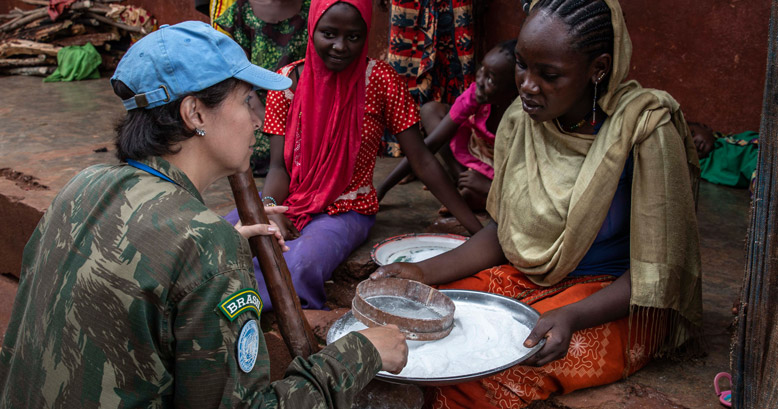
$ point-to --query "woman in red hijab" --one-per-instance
(327, 132)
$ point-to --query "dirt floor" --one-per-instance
(51, 131)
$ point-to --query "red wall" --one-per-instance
(709, 54)
(166, 11)
(170, 11)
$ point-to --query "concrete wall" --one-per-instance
(709, 54)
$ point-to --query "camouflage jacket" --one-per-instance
(120, 304)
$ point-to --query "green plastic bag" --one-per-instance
(75, 63)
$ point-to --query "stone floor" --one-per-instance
(51, 131)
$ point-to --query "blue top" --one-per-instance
(609, 254)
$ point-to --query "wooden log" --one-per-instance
(23, 62)
(34, 71)
(97, 39)
(43, 34)
(39, 14)
(17, 12)
(77, 29)
(111, 22)
(26, 47)
(75, 6)
(294, 327)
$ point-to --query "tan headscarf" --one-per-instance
(552, 190)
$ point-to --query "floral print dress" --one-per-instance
(268, 45)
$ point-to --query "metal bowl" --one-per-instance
(521, 312)
(414, 247)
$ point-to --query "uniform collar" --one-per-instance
(177, 175)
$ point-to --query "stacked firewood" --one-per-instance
(30, 40)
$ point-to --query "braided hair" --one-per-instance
(589, 23)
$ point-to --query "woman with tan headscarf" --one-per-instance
(593, 210)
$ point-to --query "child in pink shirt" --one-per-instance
(469, 127)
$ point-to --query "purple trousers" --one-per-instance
(324, 243)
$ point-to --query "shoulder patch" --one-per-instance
(241, 301)
(248, 346)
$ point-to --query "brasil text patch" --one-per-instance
(241, 301)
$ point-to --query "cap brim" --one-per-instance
(262, 78)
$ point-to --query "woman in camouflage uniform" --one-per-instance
(132, 292)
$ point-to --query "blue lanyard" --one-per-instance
(149, 169)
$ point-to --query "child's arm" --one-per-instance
(431, 172)
(434, 141)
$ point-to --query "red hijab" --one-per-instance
(324, 130)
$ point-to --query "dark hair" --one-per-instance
(154, 132)
(589, 23)
(508, 47)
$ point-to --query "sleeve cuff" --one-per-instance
(362, 358)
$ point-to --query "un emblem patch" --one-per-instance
(248, 346)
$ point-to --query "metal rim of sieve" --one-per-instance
(417, 329)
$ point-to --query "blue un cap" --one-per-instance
(187, 57)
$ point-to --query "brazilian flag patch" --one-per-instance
(243, 300)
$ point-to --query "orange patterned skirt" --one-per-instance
(597, 356)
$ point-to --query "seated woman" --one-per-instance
(273, 33)
(326, 131)
(597, 224)
(469, 127)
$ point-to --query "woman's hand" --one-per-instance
(556, 326)
(391, 345)
(264, 229)
(285, 226)
(410, 271)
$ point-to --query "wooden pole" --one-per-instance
(37, 14)
(294, 328)
(755, 352)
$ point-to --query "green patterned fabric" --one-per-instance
(118, 306)
(269, 45)
(732, 162)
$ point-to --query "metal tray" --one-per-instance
(521, 312)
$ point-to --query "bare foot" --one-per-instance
(408, 179)
(474, 188)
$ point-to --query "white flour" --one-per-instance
(482, 339)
